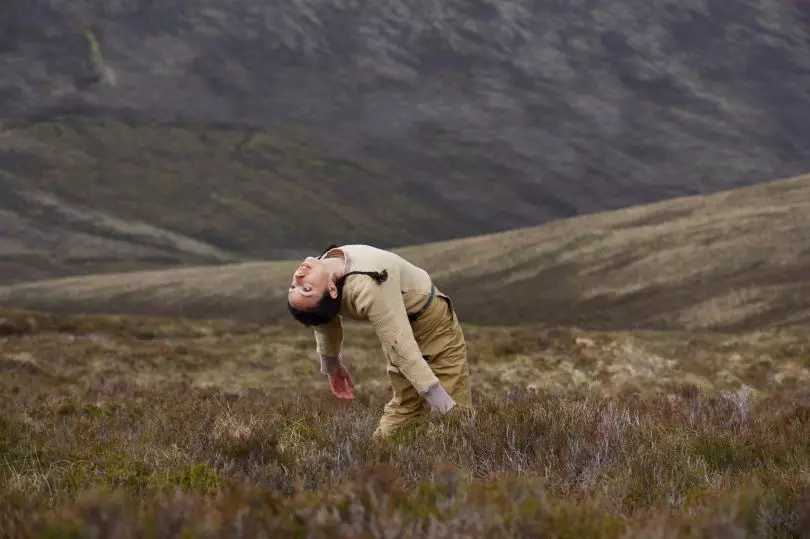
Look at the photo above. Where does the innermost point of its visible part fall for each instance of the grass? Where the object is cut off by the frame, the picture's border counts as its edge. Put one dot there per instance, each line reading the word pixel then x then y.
pixel 731 261
pixel 119 427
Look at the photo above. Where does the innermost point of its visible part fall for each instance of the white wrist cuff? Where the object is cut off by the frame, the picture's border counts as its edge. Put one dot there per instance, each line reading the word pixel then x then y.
pixel 438 398
pixel 330 364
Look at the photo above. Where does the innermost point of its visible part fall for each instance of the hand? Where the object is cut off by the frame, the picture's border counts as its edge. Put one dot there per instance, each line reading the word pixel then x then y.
pixel 341 384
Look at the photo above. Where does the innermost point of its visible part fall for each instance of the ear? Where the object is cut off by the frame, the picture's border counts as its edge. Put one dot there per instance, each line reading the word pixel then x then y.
pixel 333 291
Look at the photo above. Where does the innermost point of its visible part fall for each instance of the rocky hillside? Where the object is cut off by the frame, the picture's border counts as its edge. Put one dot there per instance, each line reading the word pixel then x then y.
pixel 425 120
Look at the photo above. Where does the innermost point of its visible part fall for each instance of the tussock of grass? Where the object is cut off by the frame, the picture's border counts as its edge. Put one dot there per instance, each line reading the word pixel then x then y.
pixel 214 440
pixel 572 464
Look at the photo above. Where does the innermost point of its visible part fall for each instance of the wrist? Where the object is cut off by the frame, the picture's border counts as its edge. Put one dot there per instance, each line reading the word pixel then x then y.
pixel 330 364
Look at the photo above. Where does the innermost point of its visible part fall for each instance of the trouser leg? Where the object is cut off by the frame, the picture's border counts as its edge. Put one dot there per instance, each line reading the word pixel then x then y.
pixel 441 341
pixel 405 404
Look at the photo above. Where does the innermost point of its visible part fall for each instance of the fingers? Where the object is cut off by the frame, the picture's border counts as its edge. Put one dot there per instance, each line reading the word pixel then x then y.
pixel 344 394
pixel 343 373
pixel 341 384
pixel 347 388
pixel 340 388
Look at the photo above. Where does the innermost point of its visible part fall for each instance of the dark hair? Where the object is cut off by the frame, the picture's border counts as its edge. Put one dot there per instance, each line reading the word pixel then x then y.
pixel 328 307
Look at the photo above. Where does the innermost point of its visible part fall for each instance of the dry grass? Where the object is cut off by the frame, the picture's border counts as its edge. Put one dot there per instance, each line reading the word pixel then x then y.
pixel 733 260
pixel 116 427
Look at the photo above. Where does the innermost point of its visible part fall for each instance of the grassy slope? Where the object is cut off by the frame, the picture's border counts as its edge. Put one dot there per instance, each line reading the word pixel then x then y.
pixel 246 193
pixel 138 427
pixel 732 260
pixel 43 236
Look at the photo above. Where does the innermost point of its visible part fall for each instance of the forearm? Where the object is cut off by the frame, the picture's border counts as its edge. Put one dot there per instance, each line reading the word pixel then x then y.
pixel 425 381
pixel 329 341
pixel 413 366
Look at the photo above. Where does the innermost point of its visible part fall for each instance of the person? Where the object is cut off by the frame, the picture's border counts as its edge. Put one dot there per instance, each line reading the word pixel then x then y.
pixel 418 328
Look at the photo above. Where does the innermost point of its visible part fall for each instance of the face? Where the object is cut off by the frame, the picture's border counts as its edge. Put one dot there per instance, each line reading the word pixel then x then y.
pixel 309 282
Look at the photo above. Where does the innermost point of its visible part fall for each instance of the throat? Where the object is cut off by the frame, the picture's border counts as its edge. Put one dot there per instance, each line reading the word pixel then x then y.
pixel 337 263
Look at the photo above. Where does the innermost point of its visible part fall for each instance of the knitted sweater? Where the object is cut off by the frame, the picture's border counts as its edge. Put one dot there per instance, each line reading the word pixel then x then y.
pixel 386 306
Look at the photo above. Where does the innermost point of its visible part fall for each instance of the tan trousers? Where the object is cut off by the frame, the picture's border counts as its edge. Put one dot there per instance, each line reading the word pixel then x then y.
pixel 441 341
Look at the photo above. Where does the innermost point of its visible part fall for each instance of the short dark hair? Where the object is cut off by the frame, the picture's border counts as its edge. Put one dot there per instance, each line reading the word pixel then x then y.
pixel 328 307
pixel 323 311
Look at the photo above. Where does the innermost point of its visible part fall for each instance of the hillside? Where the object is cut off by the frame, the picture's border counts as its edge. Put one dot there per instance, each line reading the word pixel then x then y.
pixel 387 122
pixel 44 236
pixel 242 193
pixel 122 427
pixel 733 260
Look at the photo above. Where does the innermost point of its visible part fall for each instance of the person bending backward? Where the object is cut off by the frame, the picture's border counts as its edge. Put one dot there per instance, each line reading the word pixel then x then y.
pixel 417 326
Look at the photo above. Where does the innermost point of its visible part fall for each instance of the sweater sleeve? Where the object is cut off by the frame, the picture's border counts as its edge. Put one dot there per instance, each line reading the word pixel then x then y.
pixel 382 304
pixel 329 341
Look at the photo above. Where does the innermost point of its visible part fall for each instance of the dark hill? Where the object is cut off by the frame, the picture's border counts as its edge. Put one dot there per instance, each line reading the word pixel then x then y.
pixel 262 128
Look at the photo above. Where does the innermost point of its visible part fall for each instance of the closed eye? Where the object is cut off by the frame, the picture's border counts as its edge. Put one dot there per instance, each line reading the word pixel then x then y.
pixel 305 288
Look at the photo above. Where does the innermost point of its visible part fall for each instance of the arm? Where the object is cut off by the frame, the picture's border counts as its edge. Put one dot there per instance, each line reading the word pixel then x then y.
pixel 328 343
pixel 385 309
pixel 329 339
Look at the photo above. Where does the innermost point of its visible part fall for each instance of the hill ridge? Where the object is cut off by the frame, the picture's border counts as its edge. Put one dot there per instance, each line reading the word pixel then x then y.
pixel 733 260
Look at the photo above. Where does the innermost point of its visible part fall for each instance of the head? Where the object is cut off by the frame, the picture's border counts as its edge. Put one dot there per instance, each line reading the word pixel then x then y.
pixel 316 291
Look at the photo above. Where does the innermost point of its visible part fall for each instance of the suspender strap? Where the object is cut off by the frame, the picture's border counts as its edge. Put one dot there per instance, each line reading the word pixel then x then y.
pixel 414 316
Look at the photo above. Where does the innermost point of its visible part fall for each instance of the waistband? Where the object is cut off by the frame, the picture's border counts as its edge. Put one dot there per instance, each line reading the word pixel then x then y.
pixel 413 317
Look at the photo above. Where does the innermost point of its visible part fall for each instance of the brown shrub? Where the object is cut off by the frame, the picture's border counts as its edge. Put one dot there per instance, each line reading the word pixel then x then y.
pixel 115 436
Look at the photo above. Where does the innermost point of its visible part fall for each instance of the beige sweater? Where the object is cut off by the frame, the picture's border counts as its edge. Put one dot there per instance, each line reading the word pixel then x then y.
pixel 386 306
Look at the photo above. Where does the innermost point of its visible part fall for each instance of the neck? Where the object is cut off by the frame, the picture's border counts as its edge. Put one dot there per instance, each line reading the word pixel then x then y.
pixel 337 266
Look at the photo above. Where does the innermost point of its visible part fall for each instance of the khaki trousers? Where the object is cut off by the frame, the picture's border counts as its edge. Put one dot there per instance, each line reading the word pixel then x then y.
pixel 441 340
